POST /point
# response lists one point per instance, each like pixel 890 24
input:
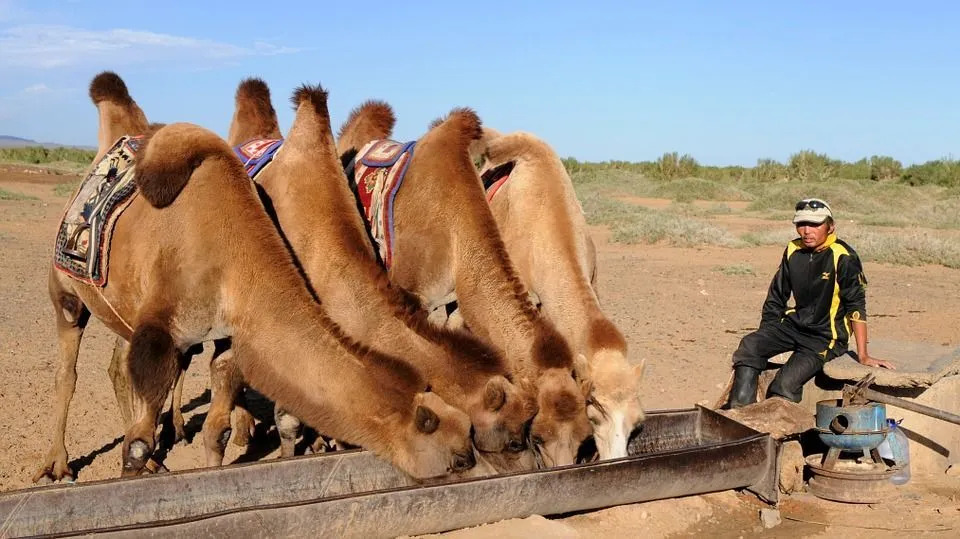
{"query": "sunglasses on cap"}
pixel 812 204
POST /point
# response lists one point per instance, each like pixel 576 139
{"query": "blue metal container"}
pixel 852 427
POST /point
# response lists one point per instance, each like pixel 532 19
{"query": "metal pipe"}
pixel 876 396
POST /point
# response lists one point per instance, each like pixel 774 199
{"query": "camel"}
pixel 446 242
pixel 306 189
pixel 543 227
pixel 195 258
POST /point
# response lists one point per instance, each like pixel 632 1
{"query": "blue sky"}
pixel 598 80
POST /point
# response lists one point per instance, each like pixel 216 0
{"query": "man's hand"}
pixel 871 362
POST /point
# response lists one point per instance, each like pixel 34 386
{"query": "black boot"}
pixel 744 390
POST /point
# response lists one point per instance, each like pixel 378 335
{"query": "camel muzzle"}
pixel 464 461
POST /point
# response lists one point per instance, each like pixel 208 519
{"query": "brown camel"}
pixel 307 192
pixel 543 227
pixel 118 114
pixel 446 242
pixel 195 258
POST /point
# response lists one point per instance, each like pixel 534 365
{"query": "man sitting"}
pixel 826 279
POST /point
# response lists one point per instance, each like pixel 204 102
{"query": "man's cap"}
pixel 812 210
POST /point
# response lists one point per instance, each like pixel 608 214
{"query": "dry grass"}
pixel 736 269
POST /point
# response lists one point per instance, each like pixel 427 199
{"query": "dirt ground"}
pixel 675 306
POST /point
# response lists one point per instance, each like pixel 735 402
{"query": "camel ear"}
pixel 581 368
pixel 427 420
pixel 586 387
pixel 494 395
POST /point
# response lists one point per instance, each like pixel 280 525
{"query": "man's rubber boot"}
pixel 744 390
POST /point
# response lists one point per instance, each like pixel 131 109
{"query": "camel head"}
pixel 436 440
pixel 614 407
pixel 500 414
pixel 561 423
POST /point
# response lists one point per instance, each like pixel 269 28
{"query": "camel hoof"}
pixel 137 455
pixel 225 437
pixel 53 473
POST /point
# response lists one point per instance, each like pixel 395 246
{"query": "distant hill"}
pixel 9 141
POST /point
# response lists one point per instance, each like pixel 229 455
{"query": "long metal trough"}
pixel 354 494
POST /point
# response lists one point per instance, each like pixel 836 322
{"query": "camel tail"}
pixel 169 157
pixel 108 86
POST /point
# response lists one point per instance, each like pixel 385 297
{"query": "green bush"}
pixel 944 172
pixel 770 170
pixel 810 166
pixel 673 165
pixel 38 155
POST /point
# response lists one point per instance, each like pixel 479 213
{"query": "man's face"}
pixel 812 234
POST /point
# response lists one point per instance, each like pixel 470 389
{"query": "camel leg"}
pixel 226 383
pixel 72 317
pixel 176 401
pixel 121 384
pixel 288 427
pixel 153 362
pixel 244 422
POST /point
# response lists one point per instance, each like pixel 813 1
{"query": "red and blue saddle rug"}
pixel 377 174
pixel 257 153
pixel 82 248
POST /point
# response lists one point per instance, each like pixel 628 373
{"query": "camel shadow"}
pixel 82 462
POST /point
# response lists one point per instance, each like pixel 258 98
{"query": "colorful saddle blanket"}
pixel 377 173
pixel 82 248
pixel 494 178
pixel 257 153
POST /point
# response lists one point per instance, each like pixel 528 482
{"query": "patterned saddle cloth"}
pixel 82 248
pixel 257 154
pixel 376 175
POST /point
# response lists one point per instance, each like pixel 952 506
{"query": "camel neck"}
pixel 290 350
pixel 318 215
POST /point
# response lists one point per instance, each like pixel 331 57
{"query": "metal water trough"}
pixel 354 494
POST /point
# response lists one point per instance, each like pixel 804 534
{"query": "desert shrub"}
pixel 944 172
pixel 810 166
pixel 770 170
pixel 884 168
pixel 673 165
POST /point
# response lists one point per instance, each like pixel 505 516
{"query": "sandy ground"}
pixel 677 309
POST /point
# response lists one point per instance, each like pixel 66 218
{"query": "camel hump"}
pixel 478 147
pixel 374 116
pixel 254 89
pixel 316 95
pixel 108 86
pixel 169 157
pixel 513 146
pixel 464 123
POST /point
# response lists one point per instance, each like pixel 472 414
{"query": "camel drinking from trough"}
pixel 305 188
pixel 544 230
pixel 193 258
pixel 445 242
